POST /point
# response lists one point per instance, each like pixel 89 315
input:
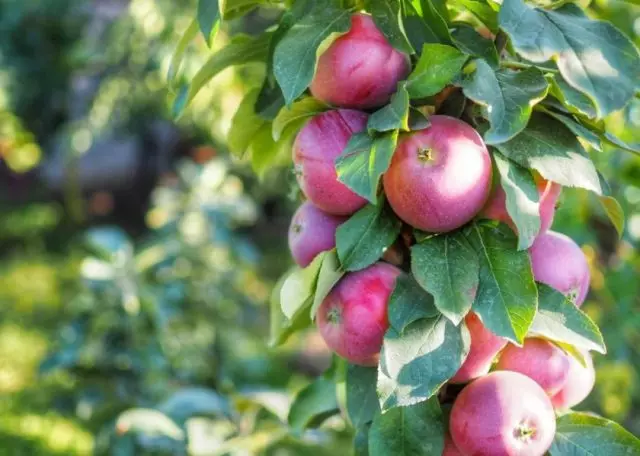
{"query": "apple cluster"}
pixel 439 179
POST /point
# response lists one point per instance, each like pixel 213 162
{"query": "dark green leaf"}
pixel 507 297
pixel 481 10
pixel 447 267
pixel 388 18
pixel 361 442
pixel 208 15
pixel 417 430
pixel 550 148
pixel 363 161
pixel 363 238
pixel 558 319
pixel 617 142
pixel 522 199
pixel 409 302
pixel 296 115
pixel 424 25
pixel 194 401
pixel 393 116
pixel 417 120
pixel 241 50
pixel 437 66
pixel 362 399
pixel 582 434
pixel 294 60
pixel 508 95
pixel 330 273
pixel 576 128
pixel 416 362
pixel 469 41
pixel 313 404
pixel 593 56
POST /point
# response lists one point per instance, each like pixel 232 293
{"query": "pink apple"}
pixel 579 383
pixel 317 146
pixel 539 360
pixel 360 69
pixel 311 232
pixel 558 262
pixel 352 319
pixel 502 414
pixel 439 177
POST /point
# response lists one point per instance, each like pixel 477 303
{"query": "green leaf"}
pixel 300 286
pixel 507 298
pixel 583 434
pixel 208 15
pixel 416 362
pixel 363 161
pixel 235 8
pixel 176 59
pixel 266 153
pixel 447 267
pixel 575 101
pixel 417 430
pixel 362 239
pixel 425 24
pixel 508 95
pixel 241 50
pixel 417 120
pixel 409 302
pixel 614 141
pixel 281 328
pixel 481 10
pixel 388 18
pixel 148 422
pixel 437 66
pixel 614 211
pixel 330 273
pixel 522 199
pixel 558 319
pixel 313 404
pixel 550 148
pixel 296 115
pixel 361 442
pixel 362 399
pixel 194 401
pixel 296 54
pixel 394 116
pixel 593 56
pixel 244 125
pixel 469 41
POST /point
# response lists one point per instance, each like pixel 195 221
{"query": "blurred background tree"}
pixel 137 259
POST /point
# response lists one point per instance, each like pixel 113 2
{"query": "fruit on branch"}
pixel 352 319
pixel 360 69
pixel 450 448
pixel 503 413
pixel 579 384
pixel 540 360
pixel 439 177
pixel 484 347
pixel 496 207
pixel 312 231
pixel 316 147
pixel 558 262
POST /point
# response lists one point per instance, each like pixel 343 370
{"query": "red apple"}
pixel 502 414
pixel 352 319
pixel 360 69
pixel 579 383
pixel 439 177
pixel 317 146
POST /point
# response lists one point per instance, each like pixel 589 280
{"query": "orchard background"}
pixel 144 223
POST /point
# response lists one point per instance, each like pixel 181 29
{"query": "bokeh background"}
pixel 137 258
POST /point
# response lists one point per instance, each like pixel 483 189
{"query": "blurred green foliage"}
pixel 96 321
